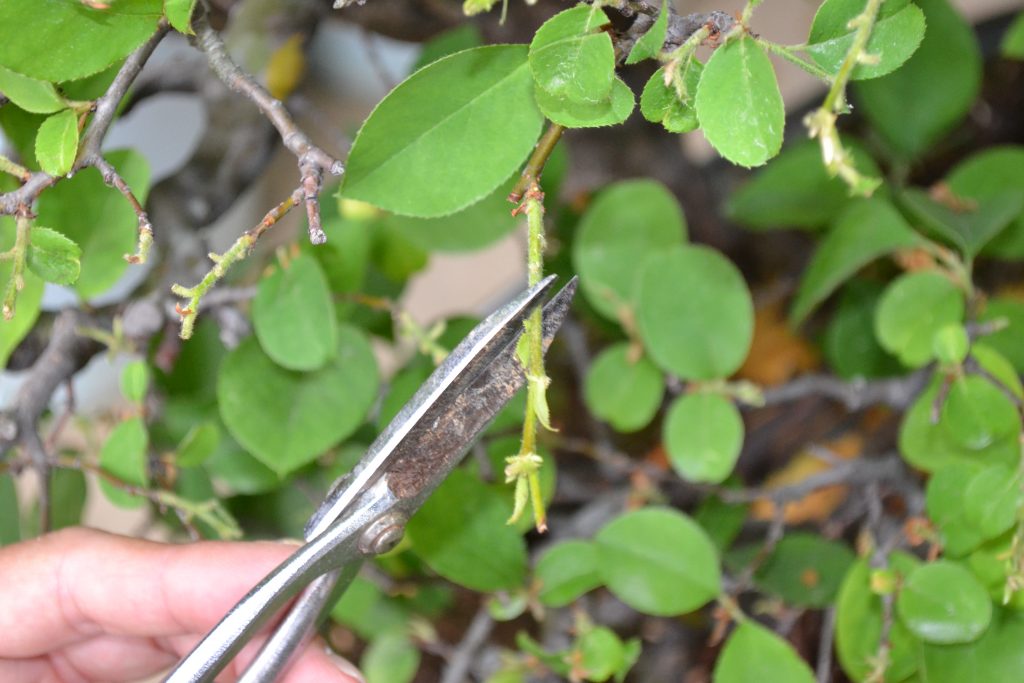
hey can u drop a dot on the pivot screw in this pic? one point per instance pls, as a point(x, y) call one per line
point(382, 534)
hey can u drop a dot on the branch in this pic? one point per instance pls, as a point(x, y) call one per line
point(855, 394)
point(860, 470)
point(462, 656)
point(680, 27)
point(313, 161)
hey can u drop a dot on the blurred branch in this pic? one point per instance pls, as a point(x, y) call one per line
point(313, 162)
point(897, 392)
point(461, 658)
point(861, 470)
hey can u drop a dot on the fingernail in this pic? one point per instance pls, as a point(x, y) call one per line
point(290, 541)
point(346, 667)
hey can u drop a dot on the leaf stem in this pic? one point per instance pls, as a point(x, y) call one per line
point(18, 255)
point(535, 165)
point(16, 170)
point(788, 52)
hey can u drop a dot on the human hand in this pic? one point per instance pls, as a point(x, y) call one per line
point(80, 605)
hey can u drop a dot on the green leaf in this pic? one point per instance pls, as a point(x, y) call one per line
point(1009, 341)
point(422, 155)
point(57, 143)
point(179, 14)
point(913, 308)
point(38, 97)
point(930, 447)
point(600, 653)
point(849, 343)
point(461, 534)
point(951, 344)
point(992, 499)
point(1012, 45)
point(859, 624)
point(608, 112)
point(995, 656)
point(897, 32)
point(476, 226)
point(722, 521)
point(135, 381)
point(69, 40)
point(67, 498)
point(390, 658)
point(286, 418)
point(864, 231)
point(98, 219)
point(944, 501)
point(754, 654)
point(805, 569)
point(998, 366)
point(124, 456)
point(658, 561)
point(571, 58)
point(627, 223)
point(624, 392)
point(942, 602)
point(26, 309)
point(660, 103)
point(968, 231)
point(53, 257)
point(566, 571)
point(10, 514)
point(738, 103)
point(905, 107)
point(462, 37)
point(795, 190)
point(695, 313)
point(703, 434)
point(650, 43)
point(293, 315)
point(198, 445)
point(985, 177)
point(977, 414)
point(241, 473)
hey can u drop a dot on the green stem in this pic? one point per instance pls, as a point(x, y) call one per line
point(535, 164)
point(864, 22)
point(18, 254)
point(788, 52)
point(16, 170)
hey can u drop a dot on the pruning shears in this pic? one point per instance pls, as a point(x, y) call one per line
point(365, 512)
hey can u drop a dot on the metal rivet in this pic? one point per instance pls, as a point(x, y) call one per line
point(383, 534)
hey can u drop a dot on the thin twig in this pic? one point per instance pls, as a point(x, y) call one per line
point(823, 672)
point(112, 178)
point(462, 655)
point(313, 162)
point(898, 392)
point(535, 164)
point(862, 470)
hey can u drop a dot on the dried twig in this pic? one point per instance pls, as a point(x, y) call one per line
point(461, 658)
point(855, 394)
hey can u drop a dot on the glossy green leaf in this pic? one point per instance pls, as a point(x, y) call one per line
point(293, 315)
point(913, 308)
point(198, 445)
point(571, 58)
point(472, 228)
point(864, 231)
point(658, 561)
point(941, 602)
point(951, 344)
point(859, 624)
point(1012, 45)
point(977, 414)
point(995, 656)
point(98, 219)
point(10, 513)
point(390, 658)
point(70, 40)
point(795, 190)
point(930, 447)
point(135, 381)
point(897, 32)
point(628, 222)
point(624, 392)
point(753, 654)
point(992, 500)
point(287, 418)
point(968, 231)
point(805, 569)
point(660, 103)
point(179, 14)
point(650, 43)
point(703, 434)
point(695, 313)
point(53, 257)
point(57, 143)
point(462, 37)
point(905, 107)
point(461, 534)
point(850, 346)
point(738, 103)
point(986, 176)
point(566, 571)
point(38, 97)
point(422, 155)
point(944, 501)
point(608, 112)
point(124, 456)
